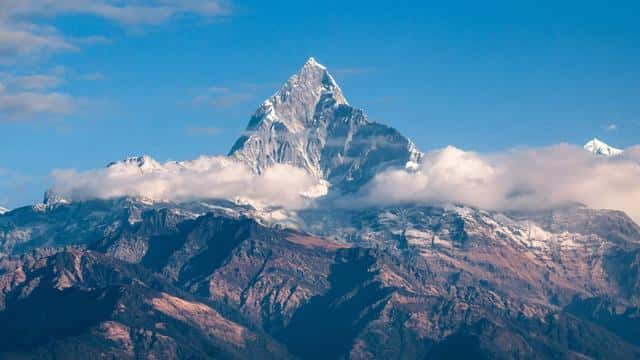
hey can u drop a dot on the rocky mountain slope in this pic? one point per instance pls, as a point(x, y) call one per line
point(474, 283)
point(308, 123)
point(148, 278)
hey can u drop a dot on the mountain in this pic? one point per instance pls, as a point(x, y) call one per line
point(125, 277)
point(421, 280)
point(600, 148)
point(80, 304)
point(3, 210)
point(309, 124)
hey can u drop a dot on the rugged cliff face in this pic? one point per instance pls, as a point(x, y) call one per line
point(140, 278)
point(497, 285)
point(308, 123)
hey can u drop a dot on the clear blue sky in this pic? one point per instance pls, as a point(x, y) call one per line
point(480, 75)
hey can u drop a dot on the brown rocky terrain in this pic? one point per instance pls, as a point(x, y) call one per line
point(237, 287)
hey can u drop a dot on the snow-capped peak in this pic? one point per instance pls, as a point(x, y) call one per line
point(294, 103)
point(3, 210)
point(309, 124)
point(145, 163)
point(311, 62)
point(598, 147)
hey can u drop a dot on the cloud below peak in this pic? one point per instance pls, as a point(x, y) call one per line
point(524, 179)
point(521, 179)
point(204, 178)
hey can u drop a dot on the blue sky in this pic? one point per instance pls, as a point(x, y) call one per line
point(87, 82)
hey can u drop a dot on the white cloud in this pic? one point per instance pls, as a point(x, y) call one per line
point(22, 39)
point(516, 180)
point(523, 179)
point(203, 178)
point(38, 82)
point(133, 12)
point(31, 96)
point(611, 127)
point(24, 33)
point(26, 105)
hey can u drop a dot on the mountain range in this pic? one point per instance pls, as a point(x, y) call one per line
point(150, 277)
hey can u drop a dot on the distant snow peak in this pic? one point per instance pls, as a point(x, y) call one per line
point(3, 210)
point(145, 163)
point(600, 148)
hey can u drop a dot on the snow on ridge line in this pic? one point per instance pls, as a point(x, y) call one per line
point(598, 147)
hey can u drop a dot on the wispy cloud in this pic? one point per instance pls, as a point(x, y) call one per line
point(26, 105)
point(31, 96)
point(28, 34)
point(38, 82)
point(125, 12)
point(13, 185)
point(92, 77)
point(25, 31)
point(611, 127)
point(353, 71)
point(206, 131)
point(28, 40)
point(223, 97)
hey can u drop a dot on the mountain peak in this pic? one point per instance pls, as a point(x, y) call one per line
point(311, 62)
point(309, 85)
point(598, 147)
point(309, 124)
point(144, 163)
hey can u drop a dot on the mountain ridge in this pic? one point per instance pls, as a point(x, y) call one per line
point(600, 148)
point(326, 136)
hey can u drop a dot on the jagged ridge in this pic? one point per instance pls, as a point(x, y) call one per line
point(308, 123)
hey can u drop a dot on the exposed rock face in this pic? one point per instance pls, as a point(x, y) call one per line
point(504, 287)
point(308, 123)
point(80, 304)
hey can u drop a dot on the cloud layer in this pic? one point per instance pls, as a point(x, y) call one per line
point(203, 178)
point(24, 30)
point(524, 179)
point(517, 180)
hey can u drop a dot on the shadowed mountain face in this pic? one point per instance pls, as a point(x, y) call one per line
point(80, 304)
point(128, 278)
point(295, 294)
point(309, 124)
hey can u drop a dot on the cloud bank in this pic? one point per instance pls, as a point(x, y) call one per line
point(523, 179)
point(203, 178)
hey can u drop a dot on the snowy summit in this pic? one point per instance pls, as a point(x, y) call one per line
point(600, 148)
